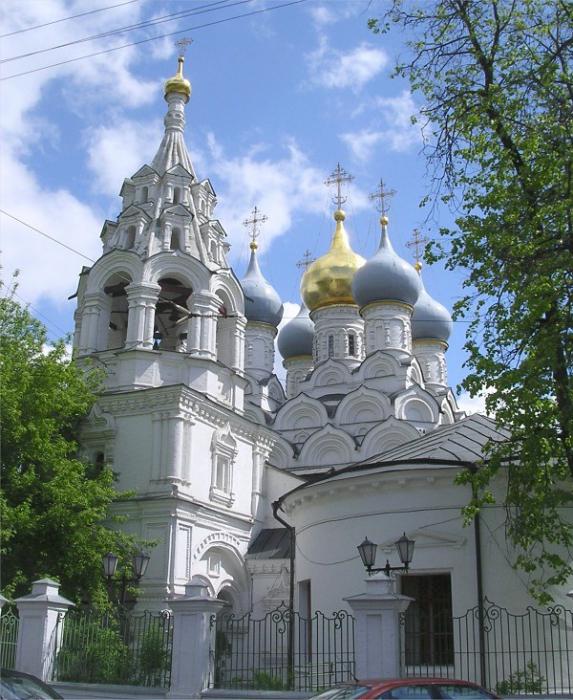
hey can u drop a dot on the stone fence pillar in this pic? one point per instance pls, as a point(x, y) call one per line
point(377, 631)
point(38, 614)
point(192, 640)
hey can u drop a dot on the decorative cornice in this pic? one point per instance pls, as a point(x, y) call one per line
point(197, 405)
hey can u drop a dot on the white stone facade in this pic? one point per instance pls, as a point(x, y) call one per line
point(201, 431)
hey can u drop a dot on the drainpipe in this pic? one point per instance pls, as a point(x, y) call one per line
point(290, 629)
point(480, 597)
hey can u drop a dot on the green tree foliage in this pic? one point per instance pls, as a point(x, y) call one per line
point(52, 504)
point(497, 90)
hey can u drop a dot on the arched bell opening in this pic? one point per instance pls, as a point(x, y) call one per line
point(116, 311)
point(171, 315)
point(225, 342)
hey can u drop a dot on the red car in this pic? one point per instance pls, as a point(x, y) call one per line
point(413, 688)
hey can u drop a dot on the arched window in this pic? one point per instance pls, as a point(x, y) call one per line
point(351, 344)
point(144, 194)
point(330, 346)
point(130, 239)
point(175, 239)
point(176, 195)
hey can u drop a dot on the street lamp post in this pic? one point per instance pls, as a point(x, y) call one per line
point(367, 551)
point(139, 567)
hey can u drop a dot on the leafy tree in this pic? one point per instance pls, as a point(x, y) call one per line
point(52, 504)
point(496, 81)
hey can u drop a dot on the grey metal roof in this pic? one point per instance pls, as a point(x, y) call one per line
point(430, 319)
point(386, 276)
point(270, 543)
point(463, 442)
point(262, 303)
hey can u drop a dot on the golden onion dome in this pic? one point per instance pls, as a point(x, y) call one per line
point(178, 83)
point(329, 279)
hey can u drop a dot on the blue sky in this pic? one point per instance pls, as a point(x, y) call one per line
point(278, 99)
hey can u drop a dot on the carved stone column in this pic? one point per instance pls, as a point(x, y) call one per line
point(90, 340)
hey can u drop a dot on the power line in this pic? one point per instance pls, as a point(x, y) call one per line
point(46, 235)
point(210, 7)
point(154, 38)
point(65, 19)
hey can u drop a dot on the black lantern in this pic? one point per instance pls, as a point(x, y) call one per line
point(367, 551)
point(140, 562)
point(119, 590)
point(405, 549)
point(110, 564)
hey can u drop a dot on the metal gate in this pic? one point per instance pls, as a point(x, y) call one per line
point(118, 647)
point(9, 623)
point(282, 650)
point(529, 653)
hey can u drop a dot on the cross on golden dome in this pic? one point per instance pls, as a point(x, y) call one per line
point(380, 197)
point(338, 177)
point(305, 261)
point(182, 45)
point(417, 242)
point(254, 223)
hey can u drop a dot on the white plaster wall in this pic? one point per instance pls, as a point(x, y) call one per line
point(425, 504)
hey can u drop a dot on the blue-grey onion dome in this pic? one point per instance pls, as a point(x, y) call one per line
point(262, 303)
point(386, 276)
point(430, 319)
point(295, 337)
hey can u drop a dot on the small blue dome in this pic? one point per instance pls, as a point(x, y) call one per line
point(295, 338)
point(386, 276)
point(262, 303)
point(430, 319)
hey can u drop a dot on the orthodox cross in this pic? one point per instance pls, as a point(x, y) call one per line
point(182, 45)
point(305, 261)
point(417, 242)
point(380, 197)
point(338, 176)
point(254, 222)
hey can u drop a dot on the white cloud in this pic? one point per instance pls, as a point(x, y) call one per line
point(332, 68)
point(118, 151)
point(473, 404)
point(48, 270)
point(322, 15)
point(361, 143)
point(279, 187)
point(393, 127)
point(290, 311)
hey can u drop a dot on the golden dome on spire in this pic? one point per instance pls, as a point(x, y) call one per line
point(329, 279)
point(178, 83)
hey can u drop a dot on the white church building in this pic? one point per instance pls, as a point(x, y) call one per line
point(364, 439)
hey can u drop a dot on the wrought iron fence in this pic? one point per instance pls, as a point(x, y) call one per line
point(283, 650)
point(9, 623)
point(123, 648)
point(529, 653)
